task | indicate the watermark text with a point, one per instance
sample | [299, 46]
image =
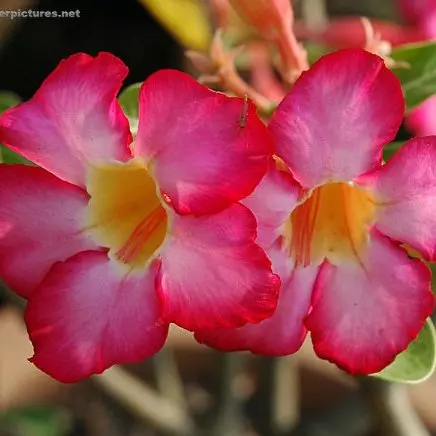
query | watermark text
[31, 13]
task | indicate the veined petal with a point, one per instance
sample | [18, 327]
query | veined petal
[40, 224]
[406, 189]
[284, 332]
[334, 122]
[86, 317]
[207, 150]
[213, 274]
[272, 202]
[73, 119]
[363, 315]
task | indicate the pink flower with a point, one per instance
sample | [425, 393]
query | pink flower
[334, 218]
[422, 13]
[422, 120]
[417, 11]
[91, 238]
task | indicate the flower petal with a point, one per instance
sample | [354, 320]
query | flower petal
[284, 332]
[417, 11]
[214, 275]
[272, 202]
[207, 150]
[40, 224]
[422, 120]
[334, 122]
[364, 315]
[406, 189]
[73, 119]
[87, 316]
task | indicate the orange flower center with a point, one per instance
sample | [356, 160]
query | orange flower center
[332, 223]
[125, 213]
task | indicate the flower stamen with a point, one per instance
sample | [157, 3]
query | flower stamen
[142, 233]
[332, 222]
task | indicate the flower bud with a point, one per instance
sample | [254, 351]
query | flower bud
[273, 19]
[268, 17]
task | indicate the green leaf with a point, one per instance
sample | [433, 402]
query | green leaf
[36, 421]
[418, 76]
[390, 149]
[9, 157]
[129, 101]
[315, 51]
[417, 362]
[432, 266]
[8, 100]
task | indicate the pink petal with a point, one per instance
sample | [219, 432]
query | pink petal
[406, 189]
[40, 224]
[73, 119]
[214, 275]
[207, 150]
[416, 11]
[334, 122]
[422, 120]
[364, 315]
[272, 203]
[87, 316]
[284, 332]
[346, 32]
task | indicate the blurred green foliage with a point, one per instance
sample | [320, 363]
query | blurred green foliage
[8, 100]
[417, 71]
[35, 421]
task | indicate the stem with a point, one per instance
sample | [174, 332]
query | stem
[233, 82]
[315, 14]
[169, 382]
[293, 55]
[391, 407]
[278, 389]
[228, 420]
[141, 400]
[285, 395]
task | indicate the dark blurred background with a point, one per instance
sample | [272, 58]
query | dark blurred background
[31, 48]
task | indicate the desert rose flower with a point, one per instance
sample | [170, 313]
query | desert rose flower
[111, 241]
[334, 220]
[422, 14]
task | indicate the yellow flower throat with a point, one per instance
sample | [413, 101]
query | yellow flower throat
[332, 223]
[125, 212]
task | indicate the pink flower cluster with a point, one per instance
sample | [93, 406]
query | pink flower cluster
[249, 235]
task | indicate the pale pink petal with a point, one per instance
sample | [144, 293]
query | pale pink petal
[335, 120]
[213, 274]
[272, 202]
[206, 150]
[364, 314]
[422, 120]
[41, 219]
[284, 332]
[87, 316]
[428, 24]
[73, 119]
[406, 189]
